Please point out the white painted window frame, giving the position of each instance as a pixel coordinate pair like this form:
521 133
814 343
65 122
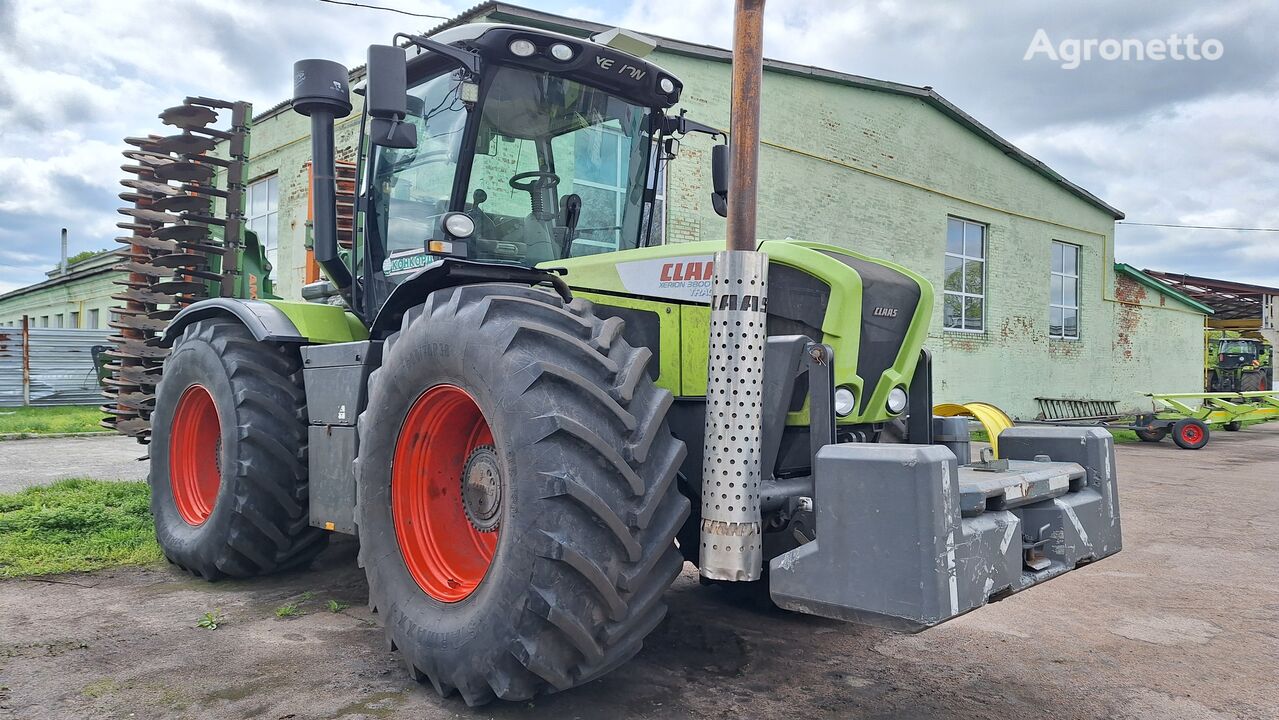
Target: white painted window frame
1065 277
962 294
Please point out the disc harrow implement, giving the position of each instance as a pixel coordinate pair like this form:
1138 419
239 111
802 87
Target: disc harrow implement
185 227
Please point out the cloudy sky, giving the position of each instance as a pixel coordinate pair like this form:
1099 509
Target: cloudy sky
1186 142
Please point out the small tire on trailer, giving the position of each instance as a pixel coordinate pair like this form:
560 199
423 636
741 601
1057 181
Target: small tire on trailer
228 455
1190 433
516 500
1233 426
1151 434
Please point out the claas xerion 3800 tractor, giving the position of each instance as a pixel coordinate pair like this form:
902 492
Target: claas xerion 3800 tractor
531 416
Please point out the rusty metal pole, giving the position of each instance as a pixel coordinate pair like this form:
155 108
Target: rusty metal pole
731 540
743 146
26 360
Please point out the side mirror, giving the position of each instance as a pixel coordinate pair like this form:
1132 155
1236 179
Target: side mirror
385 98
719 179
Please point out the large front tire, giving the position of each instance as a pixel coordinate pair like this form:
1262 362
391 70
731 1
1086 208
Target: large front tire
228 455
555 576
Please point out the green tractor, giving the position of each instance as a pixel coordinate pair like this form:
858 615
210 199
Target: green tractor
1234 363
501 390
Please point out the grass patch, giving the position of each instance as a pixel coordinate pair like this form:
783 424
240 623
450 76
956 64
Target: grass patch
76 525
288 610
337 606
211 620
50 420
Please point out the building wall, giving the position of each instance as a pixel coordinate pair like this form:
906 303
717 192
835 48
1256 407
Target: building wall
880 174
80 295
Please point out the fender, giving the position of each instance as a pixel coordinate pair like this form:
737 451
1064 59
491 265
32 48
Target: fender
264 320
451 272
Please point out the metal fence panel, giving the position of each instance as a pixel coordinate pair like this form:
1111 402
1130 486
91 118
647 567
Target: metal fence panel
60 362
10 367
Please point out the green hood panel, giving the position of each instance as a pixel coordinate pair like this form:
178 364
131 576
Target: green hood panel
680 275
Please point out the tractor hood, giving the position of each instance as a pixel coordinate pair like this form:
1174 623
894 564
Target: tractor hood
873 314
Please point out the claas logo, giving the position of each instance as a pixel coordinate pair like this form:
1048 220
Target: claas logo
680 271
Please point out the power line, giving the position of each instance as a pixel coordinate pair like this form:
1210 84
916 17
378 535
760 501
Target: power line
1199 227
387 9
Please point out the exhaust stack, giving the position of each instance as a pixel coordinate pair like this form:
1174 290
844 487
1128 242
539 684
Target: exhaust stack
731 472
320 91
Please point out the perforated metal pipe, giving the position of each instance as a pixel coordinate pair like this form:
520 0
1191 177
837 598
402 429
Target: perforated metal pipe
731 540
731 548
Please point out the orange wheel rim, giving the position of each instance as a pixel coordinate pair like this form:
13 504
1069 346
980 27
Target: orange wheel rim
194 445
1191 434
442 548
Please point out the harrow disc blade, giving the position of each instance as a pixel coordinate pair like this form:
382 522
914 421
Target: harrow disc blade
185 171
157 189
188 117
136 227
133 266
205 248
141 429
190 273
194 233
181 260
137 401
146 143
149 158
132 349
150 243
145 297
126 322
185 144
149 215
180 287
179 203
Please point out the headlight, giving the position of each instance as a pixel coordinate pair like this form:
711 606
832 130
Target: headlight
666 85
522 48
896 400
845 401
561 52
459 225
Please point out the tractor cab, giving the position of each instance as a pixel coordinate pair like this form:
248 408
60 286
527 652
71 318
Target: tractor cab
505 145
1238 352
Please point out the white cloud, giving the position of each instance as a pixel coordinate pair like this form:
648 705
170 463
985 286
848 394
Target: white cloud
1181 143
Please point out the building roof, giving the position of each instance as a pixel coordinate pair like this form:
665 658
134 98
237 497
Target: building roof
1230 300
516 14
1157 286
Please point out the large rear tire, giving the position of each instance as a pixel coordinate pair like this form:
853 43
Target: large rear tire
1252 381
552 572
228 455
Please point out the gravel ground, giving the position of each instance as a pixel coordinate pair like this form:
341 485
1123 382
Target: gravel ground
41 461
1181 625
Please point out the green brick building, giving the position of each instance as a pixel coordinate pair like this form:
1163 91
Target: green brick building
1031 303
79 298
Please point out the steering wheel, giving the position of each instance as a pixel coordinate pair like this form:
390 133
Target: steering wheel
537 180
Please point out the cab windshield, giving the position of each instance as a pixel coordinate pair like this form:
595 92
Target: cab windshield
1237 347
560 170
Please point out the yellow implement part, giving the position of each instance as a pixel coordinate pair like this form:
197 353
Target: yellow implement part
991 418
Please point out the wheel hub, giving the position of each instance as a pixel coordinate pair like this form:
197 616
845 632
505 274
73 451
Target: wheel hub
482 488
